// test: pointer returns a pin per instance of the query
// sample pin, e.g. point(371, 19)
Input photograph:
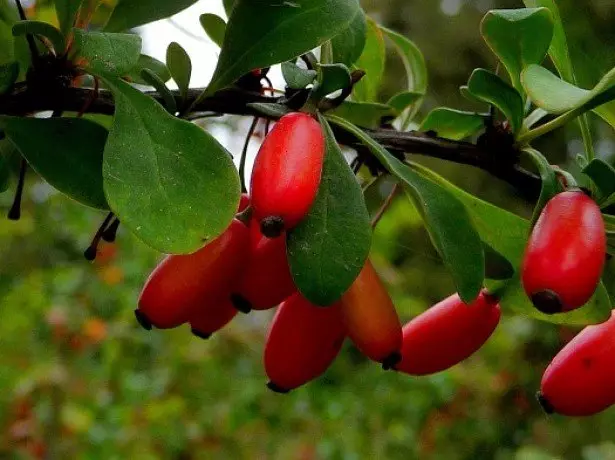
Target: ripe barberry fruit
point(302, 343)
point(371, 320)
point(580, 380)
point(266, 280)
point(565, 254)
point(287, 172)
point(211, 317)
point(447, 333)
point(182, 283)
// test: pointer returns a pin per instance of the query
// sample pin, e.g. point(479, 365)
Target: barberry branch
point(236, 101)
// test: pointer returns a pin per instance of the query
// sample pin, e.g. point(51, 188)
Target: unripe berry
point(565, 254)
point(287, 172)
point(447, 333)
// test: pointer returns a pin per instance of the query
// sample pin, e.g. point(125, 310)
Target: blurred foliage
point(80, 379)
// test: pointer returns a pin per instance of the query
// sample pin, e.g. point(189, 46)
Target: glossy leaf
point(497, 267)
point(328, 249)
point(246, 47)
point(44, 29)
point(404, 100)
point(446, 219)
point(152, 64)
point(153, 80)
point(365, 114)
point(534, 117)
point(372, 61)
point(550, 185)
point(490, 88)
point(507, 233)
point(518, 37)
point(106, 53)
point(8, 76)
point(348, 44)
point(66, 152)
point(168, 181)
point(270, 109)
point(453, 124)
point(602, 174)
point(331, 78)
point(132, 13)
point(66, 11)
point(214, 26)
point(416, 71)
point(297, 77)
point(180, 67)
point(228, 6)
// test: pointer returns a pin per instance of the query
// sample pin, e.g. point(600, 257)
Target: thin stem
point(29, 37)
point(244, 154)
point(586, 134)
point(92, 250)
point(385, 205)
point(15, 211)
point(110, 233)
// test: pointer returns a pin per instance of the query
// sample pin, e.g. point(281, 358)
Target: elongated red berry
point(210, 317)
point(565, 254)
point(302, 343)
point(181, 283)
point(370, 317)
point(447, 333)
point(580, 380)
point(266, 280)
point(286, 172)
point(244, 202)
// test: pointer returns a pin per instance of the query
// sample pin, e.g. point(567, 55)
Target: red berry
point(211, 317)
point(565, 254)
point(447, 333)
point(286, 172)
point(244, 202)
point(370, 317)
point(302, 343)
point(580, 380)
point(266, 280)
point(182, 283)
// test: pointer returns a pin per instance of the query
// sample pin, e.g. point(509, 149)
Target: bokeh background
point(80, 379)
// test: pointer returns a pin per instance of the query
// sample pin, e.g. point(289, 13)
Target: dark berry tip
point(272, 227)
point(547, 302)
point(544, 403)
point(90, 253)
point(241, 303)
point(391, 361)
point(276, 388)
point(201, 335)
point(143, 321)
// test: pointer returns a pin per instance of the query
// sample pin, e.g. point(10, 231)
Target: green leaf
point(105, 53)
point(67, 10)
point(44, 29)
point(518, 38)
point(602, 174)
point(550, 186)
point(169, 100)
point(180, 67)
point(132, 13)
point(555, 95)
point(416, 71)
point(228, 6)
point(327, 250)
point(446, 219)
point(214, 26)
point(348, 44)
point(364, 114)
point(507, 234)
point(279, 34)
point(331, 78)
point(404, 100)
point(490, 88)
point(372, 61)
point(497, 267)
point(150, 63)
point(66, 152)
point(270, 109)
point(168, 181)
point(534, 117)
point(8, 76)
point(453, 124)
point(297, 77)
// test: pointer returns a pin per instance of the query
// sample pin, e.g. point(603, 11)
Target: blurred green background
point(80, 379)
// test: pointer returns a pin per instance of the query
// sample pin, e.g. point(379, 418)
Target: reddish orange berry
point(211, 317)
point(565, 254)
point(302, 342)
point(287, 172)
point(580, 380)
point(370, 317)
point(447, 333)
point(181, 284)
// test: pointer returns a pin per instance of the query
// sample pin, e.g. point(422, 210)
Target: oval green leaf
point(297, 77)
point(66, 152)
point(152, 64)
point(132, 13)
point(180, 67)
point(44, 29)
point(372, 61)
point(214, 26)
point(453, 124)
point(105, 53)
point(328, 249)
point(348, 45)
point(168, 181)
point(66, 11)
